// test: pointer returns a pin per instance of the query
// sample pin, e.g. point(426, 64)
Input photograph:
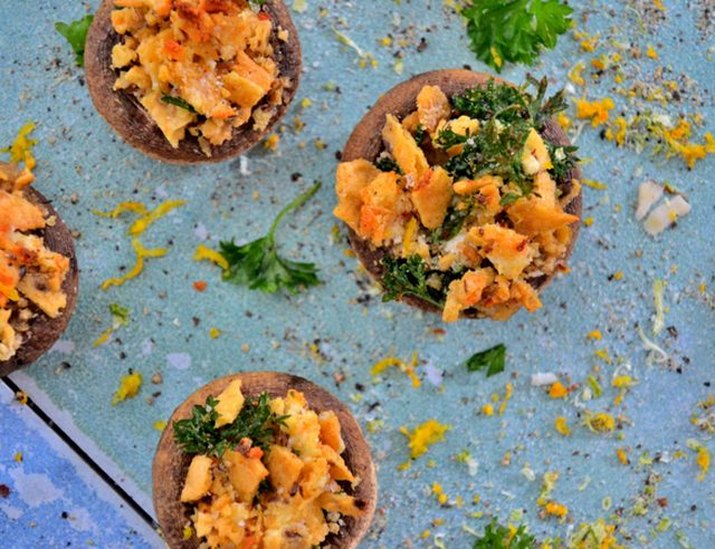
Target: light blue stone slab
point(55, 499)
point(83, 166)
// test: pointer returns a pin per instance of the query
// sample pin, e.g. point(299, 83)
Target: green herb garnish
point(258, 264)
point(509, 198)
point(120, 317)
point(455, 219)
point(497, 536)
point(514, 31)
point(255, 421)
point(178, 102)
point(119, 313)
point(563, 160)
point(420, 133)
point(448, 139)
point(76, 34)
point(507, 114)
point(407, 277)
point(492, 360)
point(387, 164)
point(495, 150)
point(494, 100)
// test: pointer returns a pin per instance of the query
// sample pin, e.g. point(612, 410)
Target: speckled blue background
point(83, 166)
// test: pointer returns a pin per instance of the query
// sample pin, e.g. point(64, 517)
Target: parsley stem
point(294, 205)
point(435, 303)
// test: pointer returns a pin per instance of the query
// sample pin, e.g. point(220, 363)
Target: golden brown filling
point(467, 225)
point(284, 492)
point(201, 66)
point(30, 274)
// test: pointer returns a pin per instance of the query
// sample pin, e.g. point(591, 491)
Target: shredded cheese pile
point(408, 368)
point(128, 387)
point(422, 437)
point(137, 228)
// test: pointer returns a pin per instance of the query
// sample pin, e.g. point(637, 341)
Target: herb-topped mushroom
point(192, 81)
point(263, 460)
point(38, 268)
point(461, 194)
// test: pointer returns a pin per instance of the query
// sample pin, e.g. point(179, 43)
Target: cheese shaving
point(649, 193)
point(21, 148)
point(424, 436)
point(599, 422)
point(409, 369)
point(556, 509)
point(658, 291)
point(141, 254)
point(148, 219)
point(128, 387)
point(597, 185)
point(655, 354)
point(558, 390)
point(123, 207)
point(702, 459)
point(561, 426)
point(540, 379)
point(204, 253)
point(596, 111)
point(666, 215)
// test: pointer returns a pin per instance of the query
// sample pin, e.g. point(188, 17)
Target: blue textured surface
point(83, 166)
point(54, 499)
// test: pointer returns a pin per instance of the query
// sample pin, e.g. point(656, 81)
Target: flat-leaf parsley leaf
point(492, 360)
point(258, 264)
point(76, 34)
point(514, 31)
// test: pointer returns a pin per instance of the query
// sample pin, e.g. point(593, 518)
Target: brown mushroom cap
point(366, 142)
point(127, 117)
point(44, 331)
point(171, 464)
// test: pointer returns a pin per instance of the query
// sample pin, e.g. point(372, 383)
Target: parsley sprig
point(455, 219)
point(407, 277)
point(258, 264)
point(256, 421)
point(508, 114)
point(497, 536)
point(387, 164)
point(76, 34)
point(515, 31)
point(492, 360)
